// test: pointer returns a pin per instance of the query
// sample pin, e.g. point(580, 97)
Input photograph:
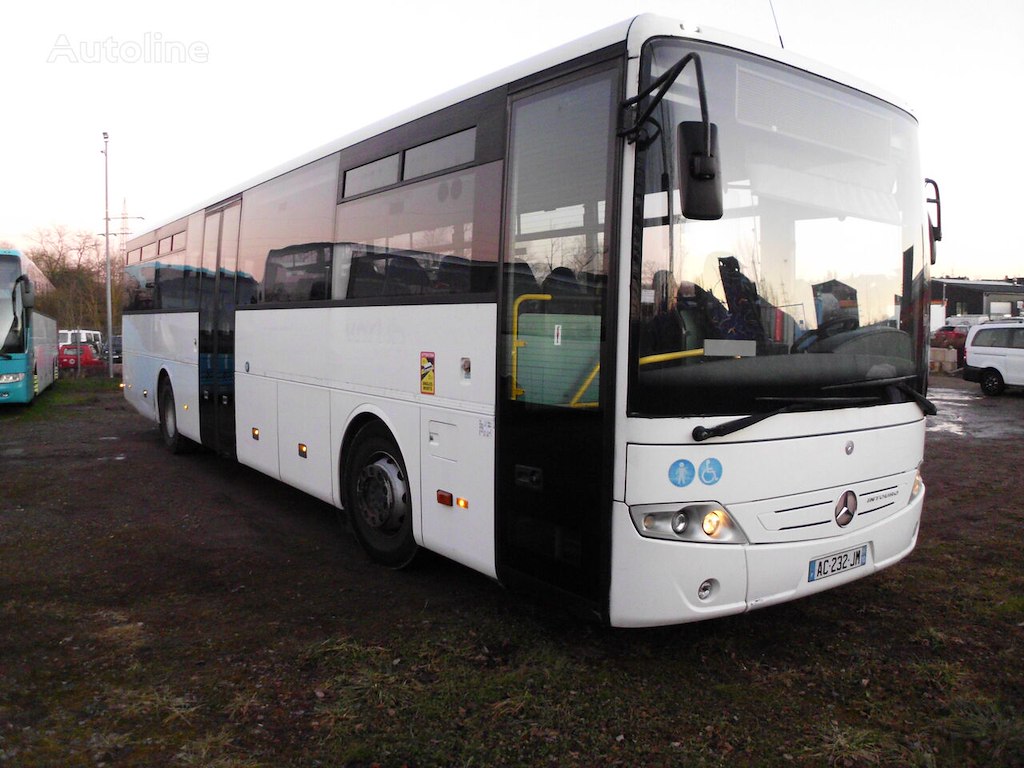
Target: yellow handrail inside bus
point(664, 357)
point(516, 343)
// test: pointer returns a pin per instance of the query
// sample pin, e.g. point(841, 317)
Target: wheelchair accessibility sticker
point(710, 471)
point(682, 472)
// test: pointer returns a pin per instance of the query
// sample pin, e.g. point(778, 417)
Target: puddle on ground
point(972, 414)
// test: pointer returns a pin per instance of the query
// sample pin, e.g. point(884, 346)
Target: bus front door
point(555, 401)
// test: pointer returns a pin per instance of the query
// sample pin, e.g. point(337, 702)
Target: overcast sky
point(265, 84)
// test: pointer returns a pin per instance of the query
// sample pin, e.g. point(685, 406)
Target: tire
point(378, 498)
point(992, 382)
point(173, 439)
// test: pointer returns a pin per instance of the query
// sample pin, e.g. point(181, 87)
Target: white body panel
point(44, 341)
point(155, 343)
point(304, 376)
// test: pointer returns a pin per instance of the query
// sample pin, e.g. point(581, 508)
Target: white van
point(79, 336)
point(995, 356)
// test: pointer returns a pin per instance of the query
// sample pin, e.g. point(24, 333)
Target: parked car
point(950, 336)
point(116, 348)
point(80, 356)
point(995, 356)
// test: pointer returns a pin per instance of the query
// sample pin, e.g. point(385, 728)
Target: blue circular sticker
point(710, 471)
point(681, 473)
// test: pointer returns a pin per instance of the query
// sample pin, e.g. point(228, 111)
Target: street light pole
point(106, 240)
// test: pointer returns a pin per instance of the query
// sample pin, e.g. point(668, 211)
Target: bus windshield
point(812, 286)
point(10, 324)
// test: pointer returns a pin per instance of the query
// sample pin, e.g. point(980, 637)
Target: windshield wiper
point(900, 382)
point(702, 433)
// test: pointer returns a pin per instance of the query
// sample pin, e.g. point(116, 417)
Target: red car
point(85, 356)
point(950, 336)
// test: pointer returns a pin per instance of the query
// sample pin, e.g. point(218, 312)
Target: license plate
point(830, 565)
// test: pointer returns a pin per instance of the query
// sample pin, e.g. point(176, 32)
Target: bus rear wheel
point(174, 441)
point(378, 497)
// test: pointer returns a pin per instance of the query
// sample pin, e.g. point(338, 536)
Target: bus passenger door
point(555, 397)
point(217, 328)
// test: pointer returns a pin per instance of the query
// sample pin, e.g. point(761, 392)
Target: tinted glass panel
point(993, 337)
point(292, 210)
point(433, 237)
point(299, 273)
point(558, 260)
point(366, 178)
point(448, 152)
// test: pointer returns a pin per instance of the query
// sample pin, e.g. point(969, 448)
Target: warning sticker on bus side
point(426, 373)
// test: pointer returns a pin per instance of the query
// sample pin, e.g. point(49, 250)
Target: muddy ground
point(159, 610)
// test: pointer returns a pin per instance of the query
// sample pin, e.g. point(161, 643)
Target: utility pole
point(106, 239)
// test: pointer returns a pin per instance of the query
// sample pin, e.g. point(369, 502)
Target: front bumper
point(656, 582)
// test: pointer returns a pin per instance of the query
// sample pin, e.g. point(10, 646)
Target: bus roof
point(633, 31)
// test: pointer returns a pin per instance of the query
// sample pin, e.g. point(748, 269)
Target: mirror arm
point(662, 85)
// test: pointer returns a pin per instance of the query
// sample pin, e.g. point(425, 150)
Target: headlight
point(706, 521)
point(11, 378)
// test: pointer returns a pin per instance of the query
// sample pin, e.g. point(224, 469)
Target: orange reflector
point(445, 498)
point(462, 503)
point(302, 450)
point(255, 433)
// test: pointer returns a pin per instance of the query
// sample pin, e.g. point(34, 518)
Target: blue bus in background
point(28, 340)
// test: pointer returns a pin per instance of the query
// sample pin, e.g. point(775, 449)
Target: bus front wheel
point(378, 497)
point(173, 439)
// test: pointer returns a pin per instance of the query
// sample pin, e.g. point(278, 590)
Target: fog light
point(712, 522)
point(706, 589)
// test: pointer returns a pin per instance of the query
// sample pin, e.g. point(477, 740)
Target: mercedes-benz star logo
point(846, 508)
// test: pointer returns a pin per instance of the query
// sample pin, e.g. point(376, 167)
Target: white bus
point(641, 322)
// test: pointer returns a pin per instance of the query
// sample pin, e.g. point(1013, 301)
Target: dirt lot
point(186, 611)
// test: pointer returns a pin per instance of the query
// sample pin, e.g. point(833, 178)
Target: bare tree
point(74, 263)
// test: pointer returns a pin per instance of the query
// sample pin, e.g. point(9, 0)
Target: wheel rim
point(382, 495)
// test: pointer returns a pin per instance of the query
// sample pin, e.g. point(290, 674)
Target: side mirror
point(700, 171)
point(934, 229)
point(28, 292)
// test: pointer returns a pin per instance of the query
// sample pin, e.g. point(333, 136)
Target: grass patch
point(64, 394)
